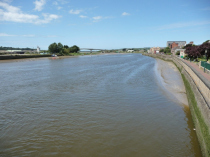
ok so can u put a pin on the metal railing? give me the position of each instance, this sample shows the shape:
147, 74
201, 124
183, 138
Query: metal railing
205, 65
204, 97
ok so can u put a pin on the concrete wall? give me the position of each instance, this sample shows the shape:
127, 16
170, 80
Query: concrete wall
200, 110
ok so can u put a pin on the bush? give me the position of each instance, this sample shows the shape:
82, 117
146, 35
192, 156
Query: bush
178, 53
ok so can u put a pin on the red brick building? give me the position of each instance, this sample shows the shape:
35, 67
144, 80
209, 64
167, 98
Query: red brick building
173, 45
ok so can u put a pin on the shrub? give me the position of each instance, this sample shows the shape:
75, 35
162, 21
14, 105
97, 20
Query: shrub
178, 53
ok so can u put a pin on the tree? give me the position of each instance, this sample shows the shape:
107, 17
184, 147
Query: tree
206, 41
167, 50
53, 48
60, 47
192, 51
74, 49
161, 50
63, 50
66, 51
178, 53
65, 46
202, 49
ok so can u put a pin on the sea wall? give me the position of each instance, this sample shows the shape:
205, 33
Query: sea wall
5, 57
198, 94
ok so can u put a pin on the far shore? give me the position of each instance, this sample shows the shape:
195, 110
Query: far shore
58, 57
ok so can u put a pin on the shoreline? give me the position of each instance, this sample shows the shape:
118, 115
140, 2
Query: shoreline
170, 80
197, 99
58, 57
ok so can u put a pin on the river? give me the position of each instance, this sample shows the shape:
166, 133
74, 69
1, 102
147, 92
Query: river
103, 105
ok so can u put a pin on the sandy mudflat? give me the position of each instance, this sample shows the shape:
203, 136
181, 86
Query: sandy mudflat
171, 81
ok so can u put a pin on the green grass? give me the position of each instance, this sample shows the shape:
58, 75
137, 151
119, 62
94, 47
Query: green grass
201, 59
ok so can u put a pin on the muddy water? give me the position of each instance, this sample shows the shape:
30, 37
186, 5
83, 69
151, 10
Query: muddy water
108, 105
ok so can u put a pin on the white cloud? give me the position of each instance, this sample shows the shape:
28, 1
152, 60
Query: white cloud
125, 14
6, 35
108, 17
9, 7
184, 24
47, 18
51, 36
39, 4
59, 8
82, 16
14, 14
75, 11
28, 35
97, 18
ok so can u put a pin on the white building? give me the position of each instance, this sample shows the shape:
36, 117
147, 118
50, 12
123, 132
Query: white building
38, 49
130, 51
182, 53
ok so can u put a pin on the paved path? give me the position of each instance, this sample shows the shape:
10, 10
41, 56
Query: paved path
203, 76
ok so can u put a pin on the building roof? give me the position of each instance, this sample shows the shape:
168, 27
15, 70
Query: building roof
176, 41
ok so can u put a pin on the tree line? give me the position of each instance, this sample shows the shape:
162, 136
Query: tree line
166, 50
58, 48
197, 51
13, 48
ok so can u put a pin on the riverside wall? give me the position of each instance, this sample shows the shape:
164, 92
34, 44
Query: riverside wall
200, 108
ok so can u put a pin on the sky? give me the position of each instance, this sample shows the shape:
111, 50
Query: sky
103, 24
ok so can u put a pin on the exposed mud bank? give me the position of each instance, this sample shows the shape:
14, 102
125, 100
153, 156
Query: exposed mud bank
171, 81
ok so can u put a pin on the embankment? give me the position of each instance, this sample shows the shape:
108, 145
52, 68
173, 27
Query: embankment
6, 57
198, 94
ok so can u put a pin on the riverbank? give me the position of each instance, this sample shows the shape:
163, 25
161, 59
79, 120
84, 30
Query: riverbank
17, 56
198, 99
171, 81
34, 57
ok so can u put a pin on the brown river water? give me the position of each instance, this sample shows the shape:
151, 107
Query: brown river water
98, 106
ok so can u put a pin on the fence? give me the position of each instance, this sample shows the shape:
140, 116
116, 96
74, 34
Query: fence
205, 65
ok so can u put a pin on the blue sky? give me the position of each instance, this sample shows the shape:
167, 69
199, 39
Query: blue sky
107, 24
